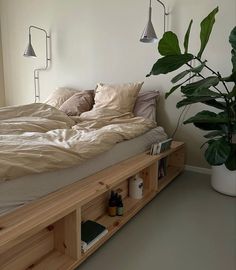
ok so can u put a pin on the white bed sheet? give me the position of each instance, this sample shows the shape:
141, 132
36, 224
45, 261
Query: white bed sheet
17, 192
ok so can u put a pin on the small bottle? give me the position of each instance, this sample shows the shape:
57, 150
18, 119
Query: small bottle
112, 205
120, 207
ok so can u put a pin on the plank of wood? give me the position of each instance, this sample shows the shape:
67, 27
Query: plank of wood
67, 234
54, 261
25, 254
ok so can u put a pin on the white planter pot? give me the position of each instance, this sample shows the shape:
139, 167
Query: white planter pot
223, 180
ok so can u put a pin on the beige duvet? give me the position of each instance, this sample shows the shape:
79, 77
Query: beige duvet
37, 138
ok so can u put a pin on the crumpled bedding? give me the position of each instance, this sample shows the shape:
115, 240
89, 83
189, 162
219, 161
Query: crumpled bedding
37, 138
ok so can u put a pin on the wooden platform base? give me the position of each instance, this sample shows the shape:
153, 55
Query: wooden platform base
45, 234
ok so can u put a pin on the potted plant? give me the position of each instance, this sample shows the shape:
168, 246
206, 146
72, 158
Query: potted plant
216, 91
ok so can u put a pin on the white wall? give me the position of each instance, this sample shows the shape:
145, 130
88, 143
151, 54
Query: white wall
96, 41
2, 93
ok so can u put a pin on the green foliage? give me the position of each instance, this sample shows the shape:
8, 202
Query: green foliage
232, 38
193, 100
193, 88
170, 63
206, 29
231, 161
181, 75
169, 44
221, 125
216, 104
207, 117
172, 90
186, 37
217, 152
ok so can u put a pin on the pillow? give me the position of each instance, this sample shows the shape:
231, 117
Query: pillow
120, 97
80, 102
59, 96
145, 105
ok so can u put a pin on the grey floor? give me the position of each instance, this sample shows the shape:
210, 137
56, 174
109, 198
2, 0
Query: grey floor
188, 226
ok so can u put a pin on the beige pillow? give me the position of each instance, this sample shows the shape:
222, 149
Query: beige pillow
59, 96
120, 97
80, 102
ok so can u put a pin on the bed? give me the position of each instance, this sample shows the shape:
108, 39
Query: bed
20, 191
53, 177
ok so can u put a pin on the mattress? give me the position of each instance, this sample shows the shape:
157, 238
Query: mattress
17, 192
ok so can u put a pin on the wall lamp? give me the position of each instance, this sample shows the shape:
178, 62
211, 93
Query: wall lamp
149, 34
29, 52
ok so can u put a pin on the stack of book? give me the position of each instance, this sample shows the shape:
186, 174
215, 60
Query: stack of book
157, 149
162, 168
91, 233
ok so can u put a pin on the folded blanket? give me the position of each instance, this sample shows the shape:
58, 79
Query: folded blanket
36, 138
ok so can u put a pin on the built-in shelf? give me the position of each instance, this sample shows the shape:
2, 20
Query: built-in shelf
46, 234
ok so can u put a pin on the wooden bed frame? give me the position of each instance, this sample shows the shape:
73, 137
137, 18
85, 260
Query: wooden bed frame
45, 234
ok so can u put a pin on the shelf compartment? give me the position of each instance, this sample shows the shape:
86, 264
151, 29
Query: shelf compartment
113, 224
172, 172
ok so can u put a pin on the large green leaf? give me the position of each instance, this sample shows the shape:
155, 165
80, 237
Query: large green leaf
203, 92
231, 161
217, 152
233, 60
207, 117
209, 126
191, 88
232, 38
192, 100
232, 93
206, 29
232, 77
215, 104
170, 63
172, 90
169, 44
181, 75
215, 133
186, 37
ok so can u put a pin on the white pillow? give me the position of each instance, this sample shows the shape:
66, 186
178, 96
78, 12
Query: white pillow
59, 96
118, 97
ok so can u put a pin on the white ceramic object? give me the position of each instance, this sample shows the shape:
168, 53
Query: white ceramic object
223, 180
136, 187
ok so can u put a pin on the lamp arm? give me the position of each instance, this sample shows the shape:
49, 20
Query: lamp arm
48, 59
47, 44
165, 12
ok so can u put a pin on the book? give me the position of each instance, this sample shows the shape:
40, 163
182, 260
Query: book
158, 148
162, 168
86, 246
91, 233
164, 145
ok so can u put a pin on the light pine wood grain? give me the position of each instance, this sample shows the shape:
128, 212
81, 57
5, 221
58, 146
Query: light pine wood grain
46, 234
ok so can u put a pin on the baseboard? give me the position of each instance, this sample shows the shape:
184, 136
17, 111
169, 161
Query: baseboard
197, 169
